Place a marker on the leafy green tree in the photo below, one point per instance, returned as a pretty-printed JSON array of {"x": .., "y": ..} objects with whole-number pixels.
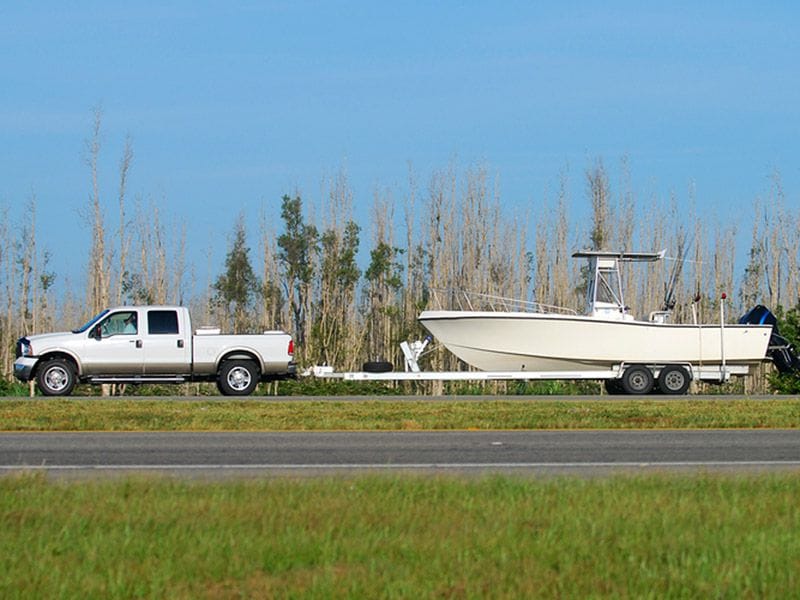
[
  {"x": 339, "y": 256},
  {"x": 384, "y": 277},
  {"x": 235, "y": 290},
  {"x": 385, "y": 269},
  {"x": 789, "y": 327},
  {"x": 338, "y": 277},
  {"x": 297, "y": 248},
  {"x": 134, "y": 290}
]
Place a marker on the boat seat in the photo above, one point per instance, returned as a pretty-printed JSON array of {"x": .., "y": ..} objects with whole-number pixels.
[{"x": 659, "y": 316}]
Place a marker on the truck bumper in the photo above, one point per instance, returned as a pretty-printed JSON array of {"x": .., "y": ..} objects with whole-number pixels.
[
  {"x": 282, "y": 372},
  {"x": 23, "y": 368}
]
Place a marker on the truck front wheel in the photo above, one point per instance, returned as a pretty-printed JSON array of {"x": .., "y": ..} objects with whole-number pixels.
[
  {"x": 237, "y": 377},
  {"x": 56, "y": 377}
]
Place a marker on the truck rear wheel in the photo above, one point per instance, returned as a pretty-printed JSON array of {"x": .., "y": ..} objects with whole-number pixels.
[
  {"x": 56, "y": 377},
  {"x": 237, "y": 377}
]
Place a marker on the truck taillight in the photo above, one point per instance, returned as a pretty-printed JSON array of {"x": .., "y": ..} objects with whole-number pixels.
[{"x": 291, "y": 347}]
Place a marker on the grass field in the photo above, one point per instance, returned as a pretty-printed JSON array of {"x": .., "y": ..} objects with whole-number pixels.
[
  {"x": 410, "y": 537},
  {"x": 399, "y": 536},
  {"x": 253, "y": 415}
]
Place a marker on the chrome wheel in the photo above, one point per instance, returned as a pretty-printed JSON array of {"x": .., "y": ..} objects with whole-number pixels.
[
  {"x": 57, "y": 378},
  {"x": 239, "y": 378}
]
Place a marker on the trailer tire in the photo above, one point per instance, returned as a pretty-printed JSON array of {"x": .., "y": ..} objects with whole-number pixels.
[
  {"x": 674, "y": 380},
  {"x": 237, "y": 377},
  {"x": 613, "y": 387},
  {"x": 637, "y": 380},
  {"x": 377, "y": 366}
]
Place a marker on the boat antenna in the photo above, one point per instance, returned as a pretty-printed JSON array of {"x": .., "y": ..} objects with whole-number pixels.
[{"x": 677, "y": 267}]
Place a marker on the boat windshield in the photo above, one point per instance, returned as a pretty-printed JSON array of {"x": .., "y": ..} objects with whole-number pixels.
[
  {"x": 91, "y": 322},
  {"x": 608, "y": 288}
]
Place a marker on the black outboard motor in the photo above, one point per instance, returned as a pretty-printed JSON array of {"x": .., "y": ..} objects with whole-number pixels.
[{"x": 780, "y": 350}]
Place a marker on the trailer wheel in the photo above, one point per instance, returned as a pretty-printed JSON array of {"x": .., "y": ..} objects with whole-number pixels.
[
  {"x": 237, "y": 377},
  {"x": 674, "y": 379},
  {"x": 613, "y": 387},
  {"x": 377, "y": 366},
  {"x": 637, "y": 379},
  {"x": 56, "y": 377}
]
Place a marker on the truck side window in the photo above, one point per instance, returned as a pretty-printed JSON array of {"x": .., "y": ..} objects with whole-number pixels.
[
  {"x": 121, "y": 323},
  {"x": 162, "y": 322}
]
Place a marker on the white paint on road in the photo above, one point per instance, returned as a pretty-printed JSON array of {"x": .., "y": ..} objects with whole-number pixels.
[{"x": 396, "y": 466}]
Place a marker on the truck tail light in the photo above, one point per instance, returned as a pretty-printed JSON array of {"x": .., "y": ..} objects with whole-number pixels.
[{"x": 291, "y": 347}]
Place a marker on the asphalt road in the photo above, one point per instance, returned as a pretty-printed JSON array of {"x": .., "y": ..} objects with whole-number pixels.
[{"x": 307, "y": 453}]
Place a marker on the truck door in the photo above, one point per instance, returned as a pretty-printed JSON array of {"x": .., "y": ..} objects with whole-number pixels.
[
  {"x": 166, "y": 349},
  {"x": 114, "y": 346}
]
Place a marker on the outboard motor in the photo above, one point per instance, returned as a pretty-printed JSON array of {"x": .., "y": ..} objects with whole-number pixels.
[{"x": 780, "y": 350}]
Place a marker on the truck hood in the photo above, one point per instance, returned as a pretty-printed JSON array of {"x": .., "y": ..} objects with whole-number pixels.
[{"x": 43, "y": 341}]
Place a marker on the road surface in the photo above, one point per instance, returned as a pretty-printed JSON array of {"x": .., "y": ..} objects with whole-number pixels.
[{"x": 312, "y": 453}]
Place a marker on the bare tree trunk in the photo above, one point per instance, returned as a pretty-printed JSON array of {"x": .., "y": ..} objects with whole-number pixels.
[
  {"x": 7, "y": 279},
  {"x": 123, "y": 239},
  {"x": 98, "y": 276},
  {"x": 602, "y": 218}
]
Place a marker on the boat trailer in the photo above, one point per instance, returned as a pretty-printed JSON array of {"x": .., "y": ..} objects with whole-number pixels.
[{"x": 624, "y": 378}]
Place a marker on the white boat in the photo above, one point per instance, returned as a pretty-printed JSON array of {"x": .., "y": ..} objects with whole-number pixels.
[{"x": 532, "y": 337}]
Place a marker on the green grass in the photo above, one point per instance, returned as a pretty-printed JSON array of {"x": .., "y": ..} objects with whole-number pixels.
[
  {"x": 253, "y": 415},
  {"x": 410, "y": 537}
]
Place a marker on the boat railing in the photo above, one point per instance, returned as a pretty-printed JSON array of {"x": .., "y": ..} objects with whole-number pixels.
[{"x": 456, "y": 299}]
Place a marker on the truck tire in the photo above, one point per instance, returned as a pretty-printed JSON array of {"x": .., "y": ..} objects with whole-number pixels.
[
  {"x": 637, "y": 380},
  {"x": 674, "y": 379},
  {"x": 237, "y": 377},
  {"x": 56, "y": 377}
]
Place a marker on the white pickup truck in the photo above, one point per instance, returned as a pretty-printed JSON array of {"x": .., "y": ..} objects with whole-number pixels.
[{"x": 152, "y": 344}]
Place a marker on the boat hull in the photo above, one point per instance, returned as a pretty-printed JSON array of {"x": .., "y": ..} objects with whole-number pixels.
[{"x": 492, "y": 341}]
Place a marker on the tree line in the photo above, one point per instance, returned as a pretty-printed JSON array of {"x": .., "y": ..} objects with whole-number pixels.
[{"x": 349, "y": 289}]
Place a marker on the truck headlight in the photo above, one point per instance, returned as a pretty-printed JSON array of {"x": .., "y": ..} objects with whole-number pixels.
[{"x": 25, "y": 348}]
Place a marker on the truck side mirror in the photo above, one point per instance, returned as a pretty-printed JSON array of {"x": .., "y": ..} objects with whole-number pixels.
[{"x": 97, "y": 333}]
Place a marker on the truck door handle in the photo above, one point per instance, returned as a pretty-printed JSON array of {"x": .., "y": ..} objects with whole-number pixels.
[
  {"x": 137, "y": 342},
  {"x": 180, "y": 343}
]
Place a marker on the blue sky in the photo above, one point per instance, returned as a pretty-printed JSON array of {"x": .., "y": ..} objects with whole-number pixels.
[{"x": 232, "y": 104}]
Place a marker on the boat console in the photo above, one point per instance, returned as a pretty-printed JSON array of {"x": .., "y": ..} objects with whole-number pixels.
[{"x": 605, "y": 294}]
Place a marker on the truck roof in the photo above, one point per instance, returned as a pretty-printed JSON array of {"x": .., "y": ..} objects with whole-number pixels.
[{"x": 147, "y": 306}]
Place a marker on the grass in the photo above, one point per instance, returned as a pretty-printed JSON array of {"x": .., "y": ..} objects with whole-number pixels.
[
  {"x": 393, "y": 536},
  {"x": 383, "y": 415},
  {"x": 409, "y": 537}
]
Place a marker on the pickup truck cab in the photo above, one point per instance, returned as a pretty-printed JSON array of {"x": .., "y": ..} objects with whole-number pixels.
[{"x": 138, "y": 344}]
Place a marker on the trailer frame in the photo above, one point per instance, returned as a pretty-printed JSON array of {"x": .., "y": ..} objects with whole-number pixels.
[{"x": 412, "y": 351}]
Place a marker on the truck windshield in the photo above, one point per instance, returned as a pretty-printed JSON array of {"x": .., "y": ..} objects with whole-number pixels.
[{"x": 91, "y": 322}]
